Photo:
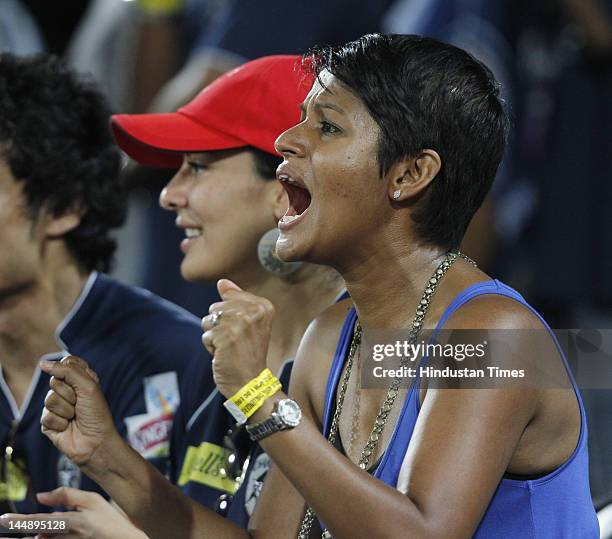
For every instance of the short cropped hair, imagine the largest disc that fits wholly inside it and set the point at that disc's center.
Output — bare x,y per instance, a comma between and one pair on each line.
265,163
425,94
55,138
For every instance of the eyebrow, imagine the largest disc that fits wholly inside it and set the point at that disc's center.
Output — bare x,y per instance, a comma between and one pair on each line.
329,106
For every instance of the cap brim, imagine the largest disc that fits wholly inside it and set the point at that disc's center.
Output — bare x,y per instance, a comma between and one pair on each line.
159,140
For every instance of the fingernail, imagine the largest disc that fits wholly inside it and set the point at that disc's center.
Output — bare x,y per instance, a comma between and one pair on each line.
45,364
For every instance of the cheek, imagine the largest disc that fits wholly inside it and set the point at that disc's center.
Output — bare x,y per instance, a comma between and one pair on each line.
207,204
233,221
21,266
349,179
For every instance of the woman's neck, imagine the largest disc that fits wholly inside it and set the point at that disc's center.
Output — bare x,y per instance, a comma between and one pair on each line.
387,288
297,302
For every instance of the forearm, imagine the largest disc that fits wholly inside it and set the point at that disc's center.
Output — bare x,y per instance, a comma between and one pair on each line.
158,58
347,499
151,501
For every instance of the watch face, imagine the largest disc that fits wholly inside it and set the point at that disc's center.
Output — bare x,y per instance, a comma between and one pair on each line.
290,412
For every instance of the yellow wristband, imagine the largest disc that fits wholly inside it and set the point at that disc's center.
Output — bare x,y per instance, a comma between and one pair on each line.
160,8
250,397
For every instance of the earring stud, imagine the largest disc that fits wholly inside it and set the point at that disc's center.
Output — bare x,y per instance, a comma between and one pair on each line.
397,194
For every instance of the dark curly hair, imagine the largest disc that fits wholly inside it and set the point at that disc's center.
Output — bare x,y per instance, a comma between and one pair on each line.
55,138
427,94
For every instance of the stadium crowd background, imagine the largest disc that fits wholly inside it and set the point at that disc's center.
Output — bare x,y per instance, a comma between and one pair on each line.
546,228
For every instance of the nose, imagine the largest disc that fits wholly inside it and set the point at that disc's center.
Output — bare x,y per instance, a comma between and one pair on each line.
291,143
174,196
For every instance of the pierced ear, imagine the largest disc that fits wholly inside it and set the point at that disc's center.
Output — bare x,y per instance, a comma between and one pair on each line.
57,226
280,200
408,177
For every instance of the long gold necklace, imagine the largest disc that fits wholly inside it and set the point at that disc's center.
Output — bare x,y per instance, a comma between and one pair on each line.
392,392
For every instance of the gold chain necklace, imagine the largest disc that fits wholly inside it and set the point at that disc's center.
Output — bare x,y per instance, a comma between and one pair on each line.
356,404
392,392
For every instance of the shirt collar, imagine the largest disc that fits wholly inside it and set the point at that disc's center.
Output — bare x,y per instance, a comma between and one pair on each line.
64,330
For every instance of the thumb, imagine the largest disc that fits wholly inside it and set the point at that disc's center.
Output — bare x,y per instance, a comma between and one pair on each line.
226,287
70,371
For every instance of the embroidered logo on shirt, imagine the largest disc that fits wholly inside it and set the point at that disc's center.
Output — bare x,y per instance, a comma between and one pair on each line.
149,433
205,464
68,473
255,481
17,488
162,393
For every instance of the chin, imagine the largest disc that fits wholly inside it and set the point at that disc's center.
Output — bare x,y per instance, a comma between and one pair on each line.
194,272
289,249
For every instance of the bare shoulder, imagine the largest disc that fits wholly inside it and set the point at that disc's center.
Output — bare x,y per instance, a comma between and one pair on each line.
315,355
519,351
493,311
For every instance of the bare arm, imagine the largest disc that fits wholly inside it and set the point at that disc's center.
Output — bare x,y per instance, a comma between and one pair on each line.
77,420
158,58
479,428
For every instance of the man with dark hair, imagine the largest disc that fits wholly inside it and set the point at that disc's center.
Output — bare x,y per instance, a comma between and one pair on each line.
60,197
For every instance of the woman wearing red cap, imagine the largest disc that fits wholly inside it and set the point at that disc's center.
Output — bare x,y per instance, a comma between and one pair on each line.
399,142
228,202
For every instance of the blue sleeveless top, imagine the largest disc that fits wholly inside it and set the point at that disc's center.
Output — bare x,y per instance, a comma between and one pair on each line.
555,506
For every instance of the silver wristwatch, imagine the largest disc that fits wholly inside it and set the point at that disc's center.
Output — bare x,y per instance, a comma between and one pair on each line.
286,415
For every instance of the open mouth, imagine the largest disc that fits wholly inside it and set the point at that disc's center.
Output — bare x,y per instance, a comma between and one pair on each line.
193,232
299,198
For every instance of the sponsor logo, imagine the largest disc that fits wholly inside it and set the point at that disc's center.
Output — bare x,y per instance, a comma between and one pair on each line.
205,464
16,489
162,393
149,433
255,481
68,473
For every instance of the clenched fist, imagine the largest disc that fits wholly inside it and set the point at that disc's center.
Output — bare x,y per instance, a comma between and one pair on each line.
76,417
237,333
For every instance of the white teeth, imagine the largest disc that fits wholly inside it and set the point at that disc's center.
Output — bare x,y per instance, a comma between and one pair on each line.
288,218
289,179
193,232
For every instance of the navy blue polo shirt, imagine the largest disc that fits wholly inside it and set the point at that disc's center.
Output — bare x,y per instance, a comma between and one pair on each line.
143,348
200,454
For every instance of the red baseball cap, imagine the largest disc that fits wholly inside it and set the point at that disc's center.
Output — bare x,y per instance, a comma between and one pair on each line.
248,106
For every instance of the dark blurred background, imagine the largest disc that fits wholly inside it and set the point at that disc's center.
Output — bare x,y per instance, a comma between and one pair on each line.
546,228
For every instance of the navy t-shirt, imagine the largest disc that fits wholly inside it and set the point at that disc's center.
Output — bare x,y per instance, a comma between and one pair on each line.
200,455
143,348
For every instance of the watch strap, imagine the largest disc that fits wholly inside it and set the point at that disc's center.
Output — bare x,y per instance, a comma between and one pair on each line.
265,428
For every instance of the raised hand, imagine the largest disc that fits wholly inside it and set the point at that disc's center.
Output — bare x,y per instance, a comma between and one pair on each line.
237,333
76,417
